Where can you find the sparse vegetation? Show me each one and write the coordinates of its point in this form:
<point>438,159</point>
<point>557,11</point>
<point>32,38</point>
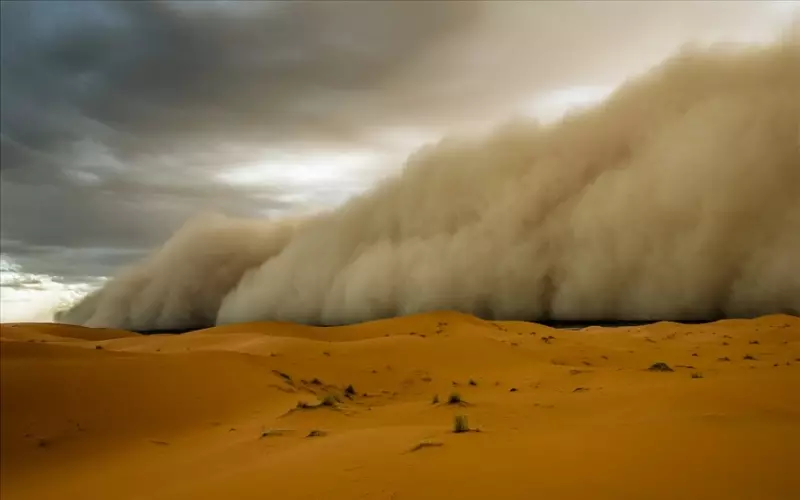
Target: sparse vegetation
<point>749,357</point>
<point>426,444</point>
<point>724,358</point>
<point>454,399</point>
<point>435,399</point>
<point>316,433</point>
<point>697,375</point>
<point>316,381</point>
<point>513,389</point>
<point>460,424</point>
<point>660,367</point>
<point>330,400</point>
<point>472,382</point>
<point>272,433</point>
<point>349,391</point>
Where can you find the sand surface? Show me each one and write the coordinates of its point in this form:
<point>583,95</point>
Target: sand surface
<point>556,414</point>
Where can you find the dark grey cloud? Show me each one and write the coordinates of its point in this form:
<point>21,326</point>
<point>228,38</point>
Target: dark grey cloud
<point>117,118</point>
<point>66,265</point>
<point>146,68</point>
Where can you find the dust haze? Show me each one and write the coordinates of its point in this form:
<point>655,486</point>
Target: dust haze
<point>678,197</point>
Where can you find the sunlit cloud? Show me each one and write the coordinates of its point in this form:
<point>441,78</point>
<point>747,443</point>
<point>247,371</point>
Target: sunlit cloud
<point>34,297</point>
<point>553,106</point>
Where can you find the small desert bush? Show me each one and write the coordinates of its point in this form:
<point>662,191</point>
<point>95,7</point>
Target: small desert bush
<point>454,399</point>
<point>330,400</point>
<point>460,424</point>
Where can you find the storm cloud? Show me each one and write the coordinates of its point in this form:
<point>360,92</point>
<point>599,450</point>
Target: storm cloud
<point>121,120</point>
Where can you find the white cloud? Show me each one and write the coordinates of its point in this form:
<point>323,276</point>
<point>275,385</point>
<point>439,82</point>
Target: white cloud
<point>34,297</point>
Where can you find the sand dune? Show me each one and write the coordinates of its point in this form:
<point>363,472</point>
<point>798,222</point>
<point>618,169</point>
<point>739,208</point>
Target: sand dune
<point>562,414</point>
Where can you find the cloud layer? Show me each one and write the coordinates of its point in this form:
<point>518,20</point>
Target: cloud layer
<point>118,119</point>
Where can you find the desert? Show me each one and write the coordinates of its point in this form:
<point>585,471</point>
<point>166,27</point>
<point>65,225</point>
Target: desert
<point>288,411</point>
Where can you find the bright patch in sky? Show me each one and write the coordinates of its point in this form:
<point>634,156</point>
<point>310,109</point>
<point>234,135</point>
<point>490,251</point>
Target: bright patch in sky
<point>552,106</point>
<point>313,179</point>
<point>33,297</point>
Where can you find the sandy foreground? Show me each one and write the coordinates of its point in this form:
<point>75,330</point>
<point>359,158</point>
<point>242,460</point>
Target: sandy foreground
<point>555,414</point>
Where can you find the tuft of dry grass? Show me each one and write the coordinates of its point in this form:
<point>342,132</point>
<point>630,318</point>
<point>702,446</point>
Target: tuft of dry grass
<point>330,400</point>
<point>460,424</point>
<point>426,444</point>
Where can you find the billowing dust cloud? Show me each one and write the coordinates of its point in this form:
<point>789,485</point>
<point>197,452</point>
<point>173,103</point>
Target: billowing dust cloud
<point>677,198</point>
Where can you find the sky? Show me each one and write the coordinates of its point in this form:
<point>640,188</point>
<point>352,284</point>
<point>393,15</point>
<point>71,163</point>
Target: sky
<point>121,120</point>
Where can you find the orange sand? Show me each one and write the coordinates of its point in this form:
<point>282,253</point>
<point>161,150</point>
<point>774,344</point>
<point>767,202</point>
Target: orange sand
<point>207,415</point>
